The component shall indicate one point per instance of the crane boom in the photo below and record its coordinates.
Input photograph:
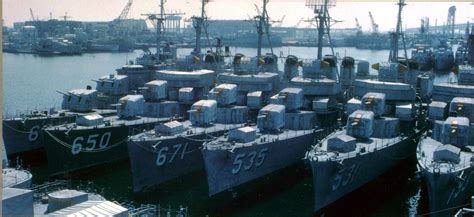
(358, 27)
(299, 22)
(125, 10)
(119, 21)
(32, 15)
(375, 26)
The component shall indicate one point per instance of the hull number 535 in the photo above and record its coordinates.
(248, 160)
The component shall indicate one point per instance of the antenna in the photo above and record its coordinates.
(394, 36)
(262, 24)
(32, 15)
(199, 23)
(320, 9)
(160, 18)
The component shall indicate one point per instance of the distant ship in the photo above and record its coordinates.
(423, 55)
(57, 46)
(443, 57)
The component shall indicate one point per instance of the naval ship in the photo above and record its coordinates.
(423, 55)
(461, 55)
(445, 155)
(186, 85)
(381, 127)
(301, 113)
(443, 57)
(93, 139)
(22, 133)
(215, 60)
(241, 91)
(462, 51)
(57, 46)
(143, 69)
(282, 135)
(238, 95)
(173, 149)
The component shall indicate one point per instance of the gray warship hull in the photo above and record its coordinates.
(22, 136)
(69, 149)
(333, 179)
(229, 167)
(155, 161)
(448, 192)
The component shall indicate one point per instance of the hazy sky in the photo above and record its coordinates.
(104, 10)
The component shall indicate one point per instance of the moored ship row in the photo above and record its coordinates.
(238, 120)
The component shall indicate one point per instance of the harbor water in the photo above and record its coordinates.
(31, 82)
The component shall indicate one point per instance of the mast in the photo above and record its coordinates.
(159, 26)
(198, 23)
(320, 8)
(260, 31)
(160, 19)
(322, 21)
(263, 28)
(394, 36)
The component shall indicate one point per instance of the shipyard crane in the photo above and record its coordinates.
(280, 22)
(125, 10)
(123, 15)
(358, 27)
(299, 22)
(32, 15)
(375, 26)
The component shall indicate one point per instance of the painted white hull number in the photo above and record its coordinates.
(34, 133)
(248, 160)
(91, 145)
(344, 177)
(178, 150)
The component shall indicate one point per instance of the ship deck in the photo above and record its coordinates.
(222, 142)
(425, 152)
(110, 122)
(189, 130)
(57, 113)
(362, 147)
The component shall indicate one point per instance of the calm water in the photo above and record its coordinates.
(32, 81)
